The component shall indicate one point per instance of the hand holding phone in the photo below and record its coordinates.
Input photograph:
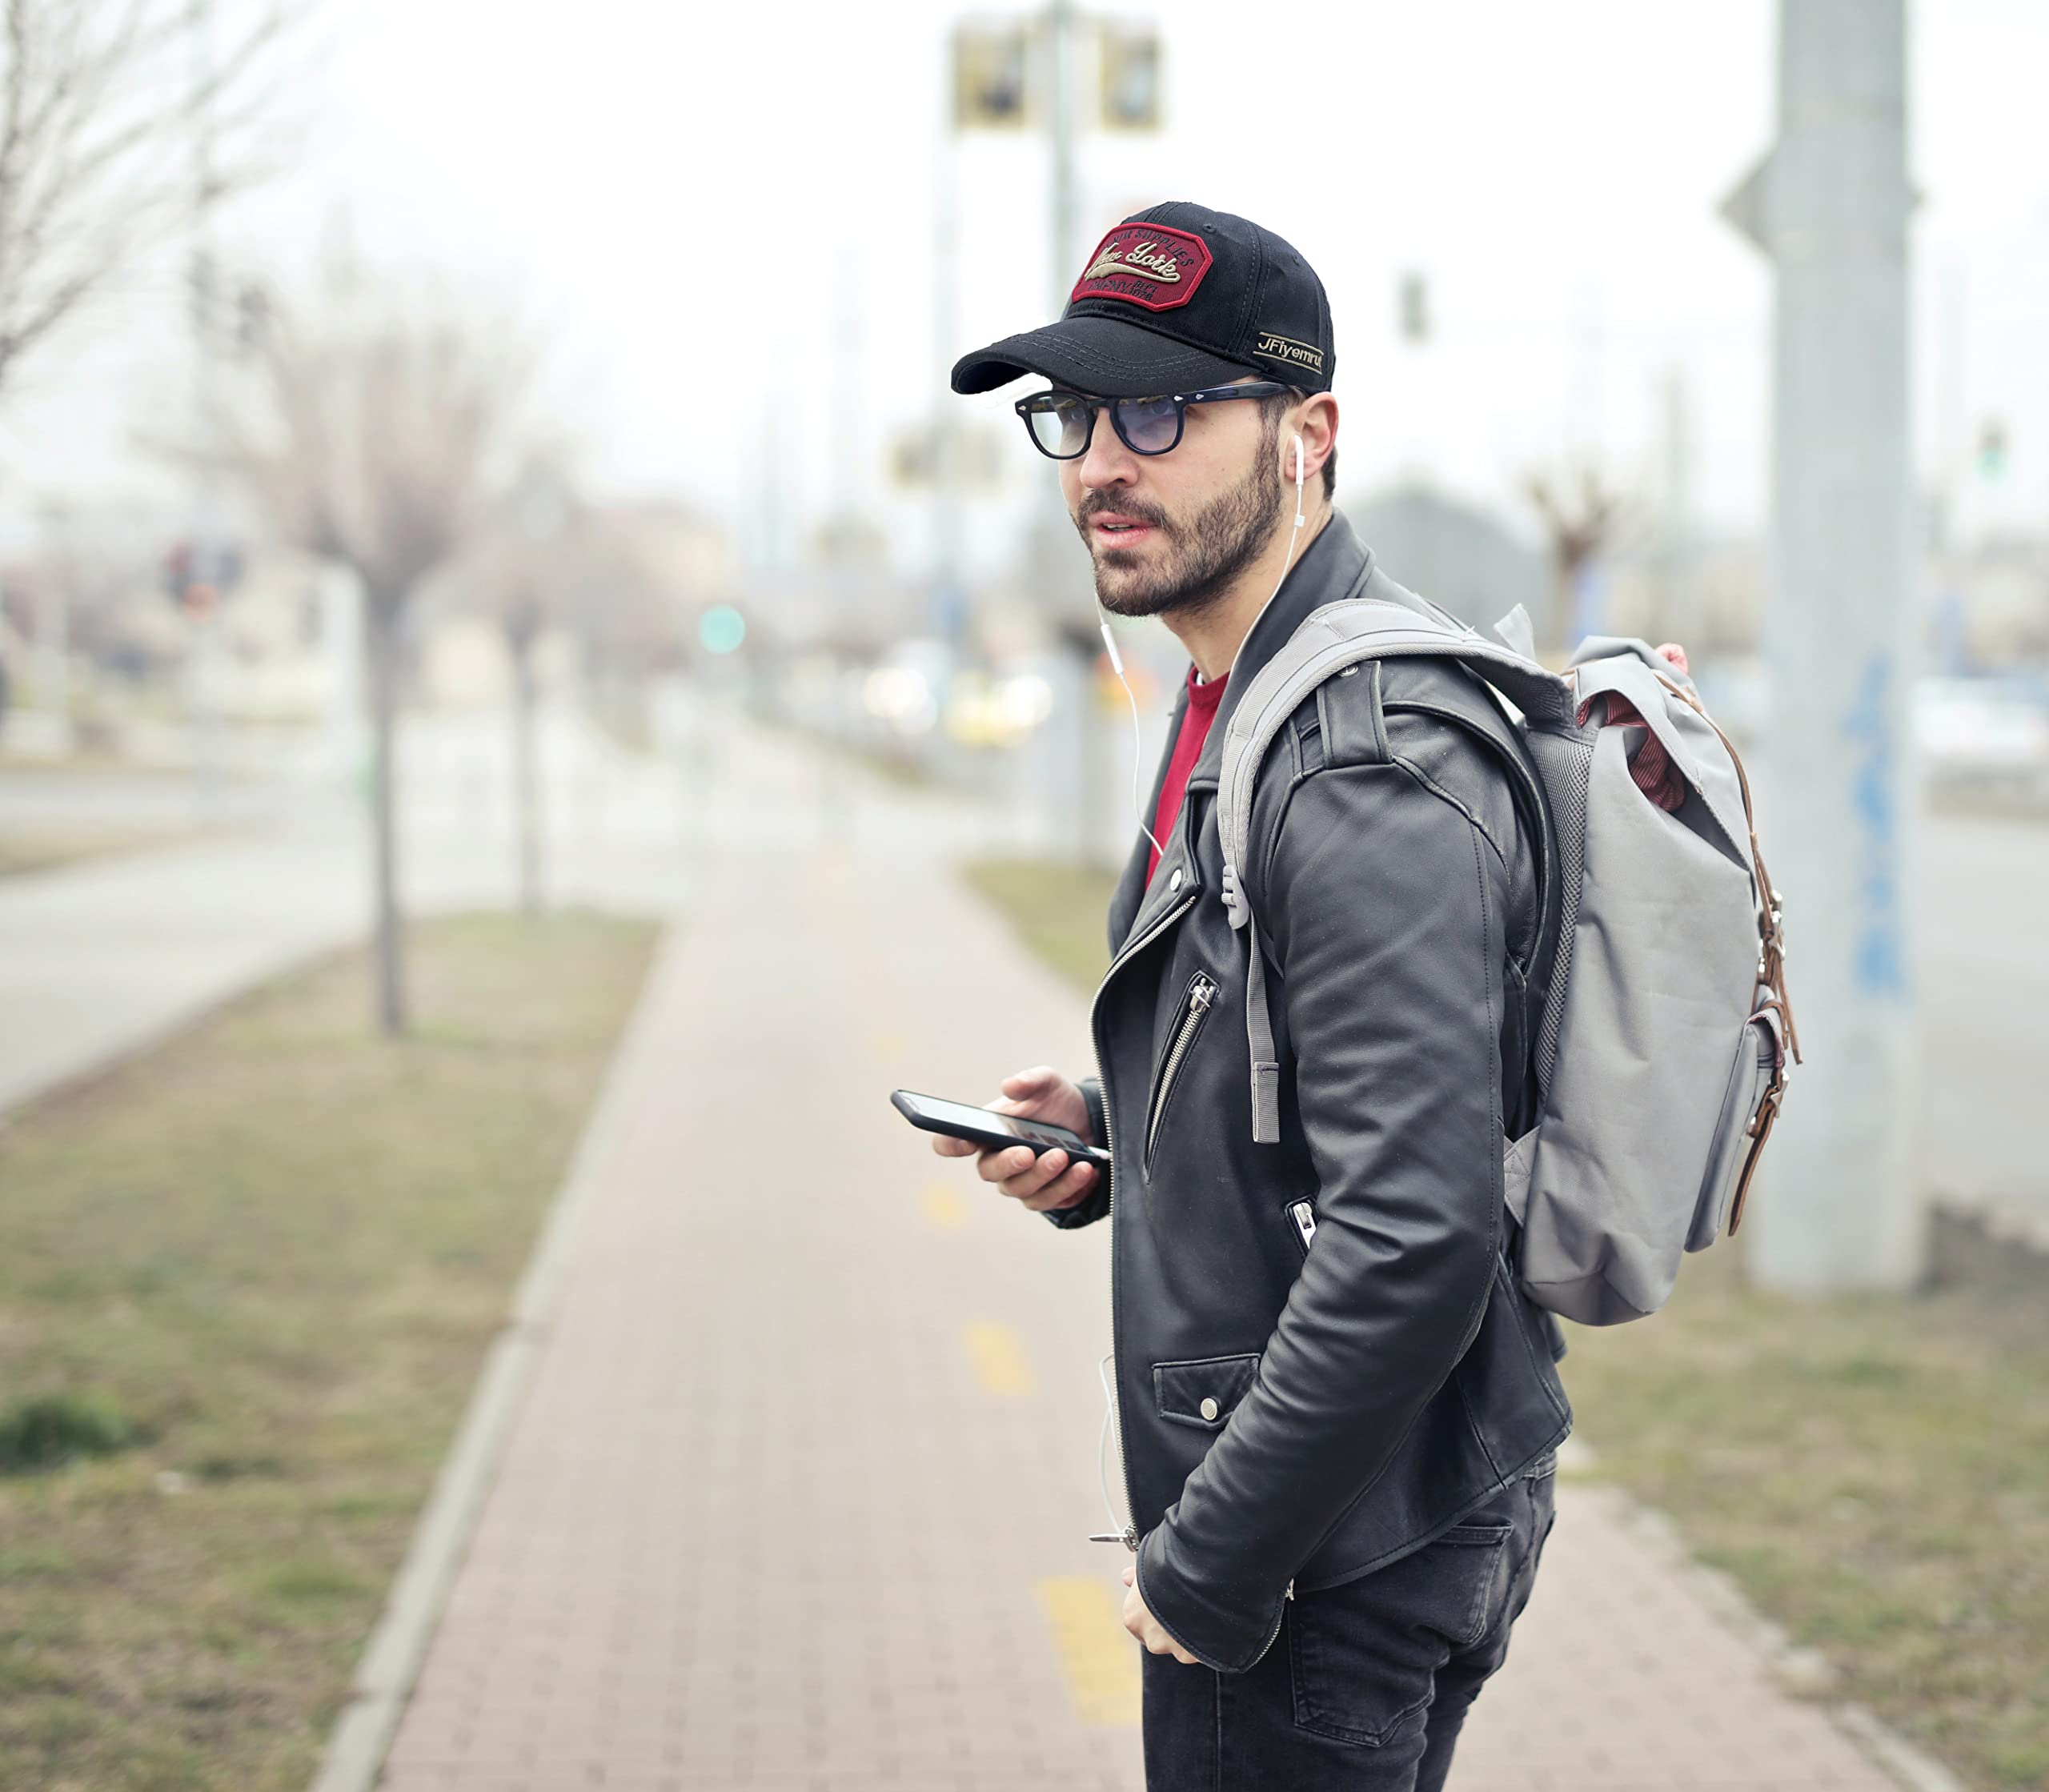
(1043, 1174)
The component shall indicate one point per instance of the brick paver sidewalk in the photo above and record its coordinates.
(799, 1495)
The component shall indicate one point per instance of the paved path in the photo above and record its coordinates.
(1985, 985)
(100, 958)
(797, 1498)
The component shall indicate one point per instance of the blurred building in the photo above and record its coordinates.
(1989, 604)
(1454, 553)
(1478, 565)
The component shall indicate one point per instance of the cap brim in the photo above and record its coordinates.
(1101, 355)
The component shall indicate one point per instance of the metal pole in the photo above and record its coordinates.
(949, 614)
(847, 390)
(1059, 116)
(204, 670)
(1092, 759)
(1842, 1207)
(1679, 621)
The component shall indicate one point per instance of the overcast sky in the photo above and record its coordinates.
(692, 196)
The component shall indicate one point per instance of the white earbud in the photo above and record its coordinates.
(1299, 519)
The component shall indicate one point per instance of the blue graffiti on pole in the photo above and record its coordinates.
(1880, 957)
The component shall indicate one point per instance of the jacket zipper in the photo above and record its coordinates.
(1128, 1535)
(1201, 992)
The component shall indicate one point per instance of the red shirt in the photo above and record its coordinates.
(1201, 710)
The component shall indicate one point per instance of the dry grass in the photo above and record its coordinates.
(1057, 908)
(44, 848)
(276, 1249)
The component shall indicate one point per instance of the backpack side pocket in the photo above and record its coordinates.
(1759, 1053)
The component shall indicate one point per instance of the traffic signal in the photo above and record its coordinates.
(1129, 95)
(1414, 305)
(992, 77)
(195, 576)
(1992, 451)
(721, 629)
(178, 567)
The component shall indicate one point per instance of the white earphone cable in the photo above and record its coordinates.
(1137, 733)
(1102, 1442)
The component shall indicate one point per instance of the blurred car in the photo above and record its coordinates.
(1984, 735)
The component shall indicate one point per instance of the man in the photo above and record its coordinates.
(1338, 1413)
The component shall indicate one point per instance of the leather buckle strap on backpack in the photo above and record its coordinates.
(1767, 1114)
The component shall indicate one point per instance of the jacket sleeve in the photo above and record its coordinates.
(1383, 905)
(1097, 1203)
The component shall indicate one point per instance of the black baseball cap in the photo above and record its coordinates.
(1175, 297)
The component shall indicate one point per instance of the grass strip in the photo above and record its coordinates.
(1058, 908)
(246, 1284)
(46, 848)
(1872, 1469)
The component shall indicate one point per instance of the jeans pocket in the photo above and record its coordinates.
(1363, 1656)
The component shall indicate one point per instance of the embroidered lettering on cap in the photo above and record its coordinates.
(1143, 258)
(1286, 348)
(1147, 265)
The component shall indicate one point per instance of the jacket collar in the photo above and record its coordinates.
(1336, 563)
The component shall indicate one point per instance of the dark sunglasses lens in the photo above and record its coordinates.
(1059, 425)
(1149, 425)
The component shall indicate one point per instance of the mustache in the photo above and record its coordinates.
(1097, 502)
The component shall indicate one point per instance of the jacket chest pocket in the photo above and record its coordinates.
(1198, 997)
(1204, 1391)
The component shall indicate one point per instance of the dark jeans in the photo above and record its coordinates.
(1366, 1687)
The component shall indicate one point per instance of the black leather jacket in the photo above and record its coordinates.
(1295, 1413)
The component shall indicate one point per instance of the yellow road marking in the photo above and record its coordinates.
(1099, 1655)
(944, 1208)
(997, 1359)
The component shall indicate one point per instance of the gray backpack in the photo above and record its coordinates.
(1660, 1057)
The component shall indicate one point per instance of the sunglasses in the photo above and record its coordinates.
(1061, 424)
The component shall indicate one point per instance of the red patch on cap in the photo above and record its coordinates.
(1145, 264)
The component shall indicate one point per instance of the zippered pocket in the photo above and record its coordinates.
(1196, 1001)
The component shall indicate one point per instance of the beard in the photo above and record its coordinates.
(1203, 554)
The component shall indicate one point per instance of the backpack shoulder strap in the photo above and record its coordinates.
(1384, 621)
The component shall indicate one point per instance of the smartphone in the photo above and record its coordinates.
(983, 1126)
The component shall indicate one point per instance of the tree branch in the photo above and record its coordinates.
(101, 127)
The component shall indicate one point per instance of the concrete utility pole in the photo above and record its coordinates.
(1841, 1204)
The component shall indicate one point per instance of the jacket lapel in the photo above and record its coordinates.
(1131, 889)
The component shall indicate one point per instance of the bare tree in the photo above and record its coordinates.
(383, 424)
(122, 121)
(1581, 515)
(527, 574)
